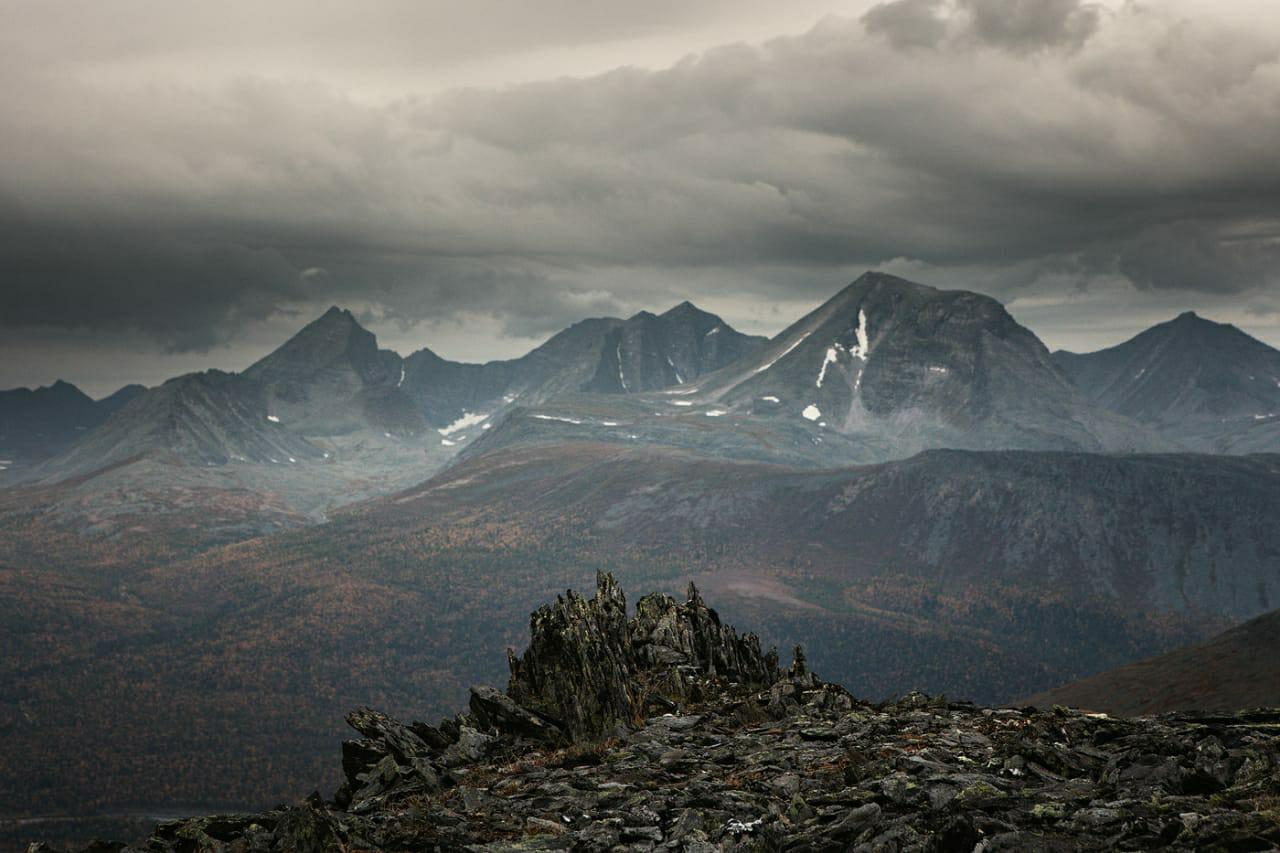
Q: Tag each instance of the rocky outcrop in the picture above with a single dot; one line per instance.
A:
(589, 667)
(668, 731)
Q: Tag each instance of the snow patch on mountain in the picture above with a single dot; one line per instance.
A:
(559, 418)
(832, 357)
(784, 353)
(468, 419)
(863, 349)
(672, 365)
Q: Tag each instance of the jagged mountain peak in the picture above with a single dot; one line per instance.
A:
(335, 312)
(334, 335)
(331, 377)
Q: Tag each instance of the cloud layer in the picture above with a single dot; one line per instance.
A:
(1007, 145)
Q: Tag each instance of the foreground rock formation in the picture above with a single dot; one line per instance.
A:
(669, 731)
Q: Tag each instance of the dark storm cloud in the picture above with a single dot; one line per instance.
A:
(1027, 140)
(1018, 25)
(1032, 24)
(186, 294)
(908, 23)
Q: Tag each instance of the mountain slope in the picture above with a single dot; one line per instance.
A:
(210, 418)
(1206, 385)
(1235, 670)
(1155, 532)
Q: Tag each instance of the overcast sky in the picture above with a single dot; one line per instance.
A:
(184, 185)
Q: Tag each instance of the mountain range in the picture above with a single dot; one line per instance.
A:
(906, 480)
(884, 369)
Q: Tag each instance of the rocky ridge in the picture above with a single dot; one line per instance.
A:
(669, 731)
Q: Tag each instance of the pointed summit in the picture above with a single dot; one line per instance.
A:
(333, 339)
(1209, 385)
(687, 310)
(336, 315)
(323, 377)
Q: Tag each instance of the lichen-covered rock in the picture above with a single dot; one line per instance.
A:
(740, 756)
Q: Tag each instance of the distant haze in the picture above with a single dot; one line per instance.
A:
(184, 186)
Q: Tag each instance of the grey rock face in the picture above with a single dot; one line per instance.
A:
(650, 352)
(798, 765)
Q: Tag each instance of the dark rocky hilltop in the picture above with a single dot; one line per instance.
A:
(667, 730)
